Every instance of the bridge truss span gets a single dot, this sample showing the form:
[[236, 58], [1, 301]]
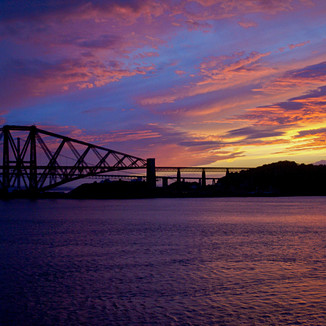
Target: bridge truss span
[[38, 160], [200, 169]]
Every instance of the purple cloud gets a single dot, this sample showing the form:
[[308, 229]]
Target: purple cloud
[[258, 132]]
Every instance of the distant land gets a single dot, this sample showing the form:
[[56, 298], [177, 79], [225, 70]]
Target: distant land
[[284, 178]]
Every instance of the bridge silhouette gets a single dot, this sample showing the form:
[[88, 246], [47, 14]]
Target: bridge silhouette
[[36, 160]]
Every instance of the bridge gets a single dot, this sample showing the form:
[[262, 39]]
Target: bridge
[[36, 160]]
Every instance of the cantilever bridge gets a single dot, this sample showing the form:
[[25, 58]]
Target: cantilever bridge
[[37, 160]]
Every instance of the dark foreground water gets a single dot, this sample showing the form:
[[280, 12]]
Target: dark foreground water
[[235, 261]]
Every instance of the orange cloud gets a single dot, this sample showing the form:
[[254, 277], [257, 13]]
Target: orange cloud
[[306, 109], [303, 79]]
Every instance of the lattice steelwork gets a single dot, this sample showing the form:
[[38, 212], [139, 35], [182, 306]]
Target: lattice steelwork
[[37, 160]]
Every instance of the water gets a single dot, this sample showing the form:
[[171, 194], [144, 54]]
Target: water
[[224, 261]]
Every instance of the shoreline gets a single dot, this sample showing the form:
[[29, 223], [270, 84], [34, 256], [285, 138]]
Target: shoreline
[[181, 196]]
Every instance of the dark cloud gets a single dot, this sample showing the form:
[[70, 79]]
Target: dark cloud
[[199, 143], [26, 10], [11, 10], [290, 105], [98, 110], [311, 72], [287, 106], [255, 132], [315, 94], [103, 42], [310, 132]]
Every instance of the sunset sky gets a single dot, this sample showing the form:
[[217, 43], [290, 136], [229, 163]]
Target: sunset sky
[[203, 82]]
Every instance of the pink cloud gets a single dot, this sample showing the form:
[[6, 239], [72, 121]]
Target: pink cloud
[[146, 55], [39, 78], [293, 46], [247, 24], [195, 25]]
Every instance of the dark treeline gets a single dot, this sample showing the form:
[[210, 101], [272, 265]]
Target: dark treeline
[[282, 178]]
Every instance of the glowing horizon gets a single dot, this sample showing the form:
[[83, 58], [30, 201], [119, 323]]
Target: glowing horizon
[[202, 82]]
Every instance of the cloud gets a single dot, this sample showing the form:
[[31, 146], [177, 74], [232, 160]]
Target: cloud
[[255, 132], [33, 78], [311, 132], [195, 25], [21, 10], [293, 46], [98, 110], [322, 162], [196, 13], [225, 68], [200, 143], [308, 140], [303, 78], [104, 41], [279, 120], [247, 24], [145, 55]]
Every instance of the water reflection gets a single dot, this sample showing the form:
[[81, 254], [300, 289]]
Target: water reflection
[[258, 261]]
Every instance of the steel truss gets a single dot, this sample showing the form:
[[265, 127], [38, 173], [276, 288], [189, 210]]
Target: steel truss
[[35, 160]]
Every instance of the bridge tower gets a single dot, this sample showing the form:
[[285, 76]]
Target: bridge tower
[[203, 178], [151, 173]]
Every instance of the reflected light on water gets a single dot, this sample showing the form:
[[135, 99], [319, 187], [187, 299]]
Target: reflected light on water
[[223, 261]]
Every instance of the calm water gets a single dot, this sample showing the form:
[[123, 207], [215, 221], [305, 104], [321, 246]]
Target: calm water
[[230, 261]]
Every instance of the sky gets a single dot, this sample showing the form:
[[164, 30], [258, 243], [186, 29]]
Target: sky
[[190, 83]]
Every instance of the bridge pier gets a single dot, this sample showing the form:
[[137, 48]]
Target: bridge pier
[[151, 173], [18, 164], [5, 169], [178, 176], [203, 178], [164, 182], [33, 165]]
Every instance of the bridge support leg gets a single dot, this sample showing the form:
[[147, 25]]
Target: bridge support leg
[[203, 178], [19, 169], [178, 176], [5, 171], [151, 173], [33, 169], [164, 182]]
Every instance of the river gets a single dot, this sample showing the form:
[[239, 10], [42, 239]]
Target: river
[[195, 261]]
